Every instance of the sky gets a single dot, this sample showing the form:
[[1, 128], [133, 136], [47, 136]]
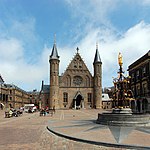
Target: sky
[[27, 29]]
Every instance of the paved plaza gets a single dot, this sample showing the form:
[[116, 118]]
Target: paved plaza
[[29, 132]]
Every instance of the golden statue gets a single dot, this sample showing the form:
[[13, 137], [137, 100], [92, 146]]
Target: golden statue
[[120, 61]]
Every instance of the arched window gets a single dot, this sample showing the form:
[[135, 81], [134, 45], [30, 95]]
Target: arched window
[[89, 97], [77, 80], [65, 97], [68, 81], [87, 81]]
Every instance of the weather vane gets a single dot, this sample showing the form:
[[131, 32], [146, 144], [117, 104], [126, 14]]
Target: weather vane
[[96, 45], [77, 49]]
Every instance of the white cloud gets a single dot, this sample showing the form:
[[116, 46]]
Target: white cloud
[[15, 55], [90, 14], [132, 44], [145, 2], [16, 69], [92, 9], [24, 29], [10, 49]]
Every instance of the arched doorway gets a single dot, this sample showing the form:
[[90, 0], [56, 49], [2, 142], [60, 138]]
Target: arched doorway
[[133, 105], [138, 106], [78, 102], [144, 105]]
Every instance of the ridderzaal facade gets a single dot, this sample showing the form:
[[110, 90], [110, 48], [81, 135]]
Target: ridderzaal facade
[[76, 88]]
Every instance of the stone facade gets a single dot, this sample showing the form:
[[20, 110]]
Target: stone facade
[[76, 88], [12, 96], [140, 82]]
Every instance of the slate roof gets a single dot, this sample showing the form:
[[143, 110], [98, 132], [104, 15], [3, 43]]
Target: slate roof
[[54, 54], [46, 88], [97, 57]]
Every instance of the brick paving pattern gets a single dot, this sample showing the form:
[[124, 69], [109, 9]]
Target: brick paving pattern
[[28, 132]]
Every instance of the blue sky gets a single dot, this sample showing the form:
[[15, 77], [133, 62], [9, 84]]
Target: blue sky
[[27, 29]]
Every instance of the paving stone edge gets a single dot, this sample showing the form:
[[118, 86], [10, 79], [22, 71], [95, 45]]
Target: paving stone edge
[[98, 143]]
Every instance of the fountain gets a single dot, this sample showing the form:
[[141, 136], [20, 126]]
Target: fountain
[[121, 120]]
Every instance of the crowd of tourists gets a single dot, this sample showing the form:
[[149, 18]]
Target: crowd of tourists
[[46, 111], [13, 112]]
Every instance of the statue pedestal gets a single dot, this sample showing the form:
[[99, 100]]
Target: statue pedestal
[[123, 117]]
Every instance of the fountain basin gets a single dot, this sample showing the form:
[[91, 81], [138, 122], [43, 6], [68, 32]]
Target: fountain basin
[[123, 119]]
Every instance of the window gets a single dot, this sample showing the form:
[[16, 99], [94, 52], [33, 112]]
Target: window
[[137, 75], [132, 77], [10, 91], [132, 89], [80, 66], [77, 80], [75, 66], [144, 71], [65, 95], [138, 90], [89, 97], [144, 88]]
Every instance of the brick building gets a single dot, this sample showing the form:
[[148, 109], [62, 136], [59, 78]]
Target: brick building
[[140, 82], [76, 88], [12, 96]]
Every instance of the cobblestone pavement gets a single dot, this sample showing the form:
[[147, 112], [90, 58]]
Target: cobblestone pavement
[[81, 124], [28, 132]]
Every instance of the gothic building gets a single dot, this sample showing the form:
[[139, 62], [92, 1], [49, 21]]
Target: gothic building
[[76, 88]]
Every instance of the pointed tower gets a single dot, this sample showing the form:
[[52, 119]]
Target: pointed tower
[[97, 80], [54, 78]]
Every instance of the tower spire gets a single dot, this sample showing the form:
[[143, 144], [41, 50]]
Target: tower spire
[[97, 79], [54, 54], [97, 55]]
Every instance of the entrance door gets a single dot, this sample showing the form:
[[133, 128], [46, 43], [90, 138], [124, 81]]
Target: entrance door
[[78, 101], [144, 105]]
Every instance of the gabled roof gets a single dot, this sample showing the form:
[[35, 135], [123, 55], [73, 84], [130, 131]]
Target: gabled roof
[[77, 64]]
